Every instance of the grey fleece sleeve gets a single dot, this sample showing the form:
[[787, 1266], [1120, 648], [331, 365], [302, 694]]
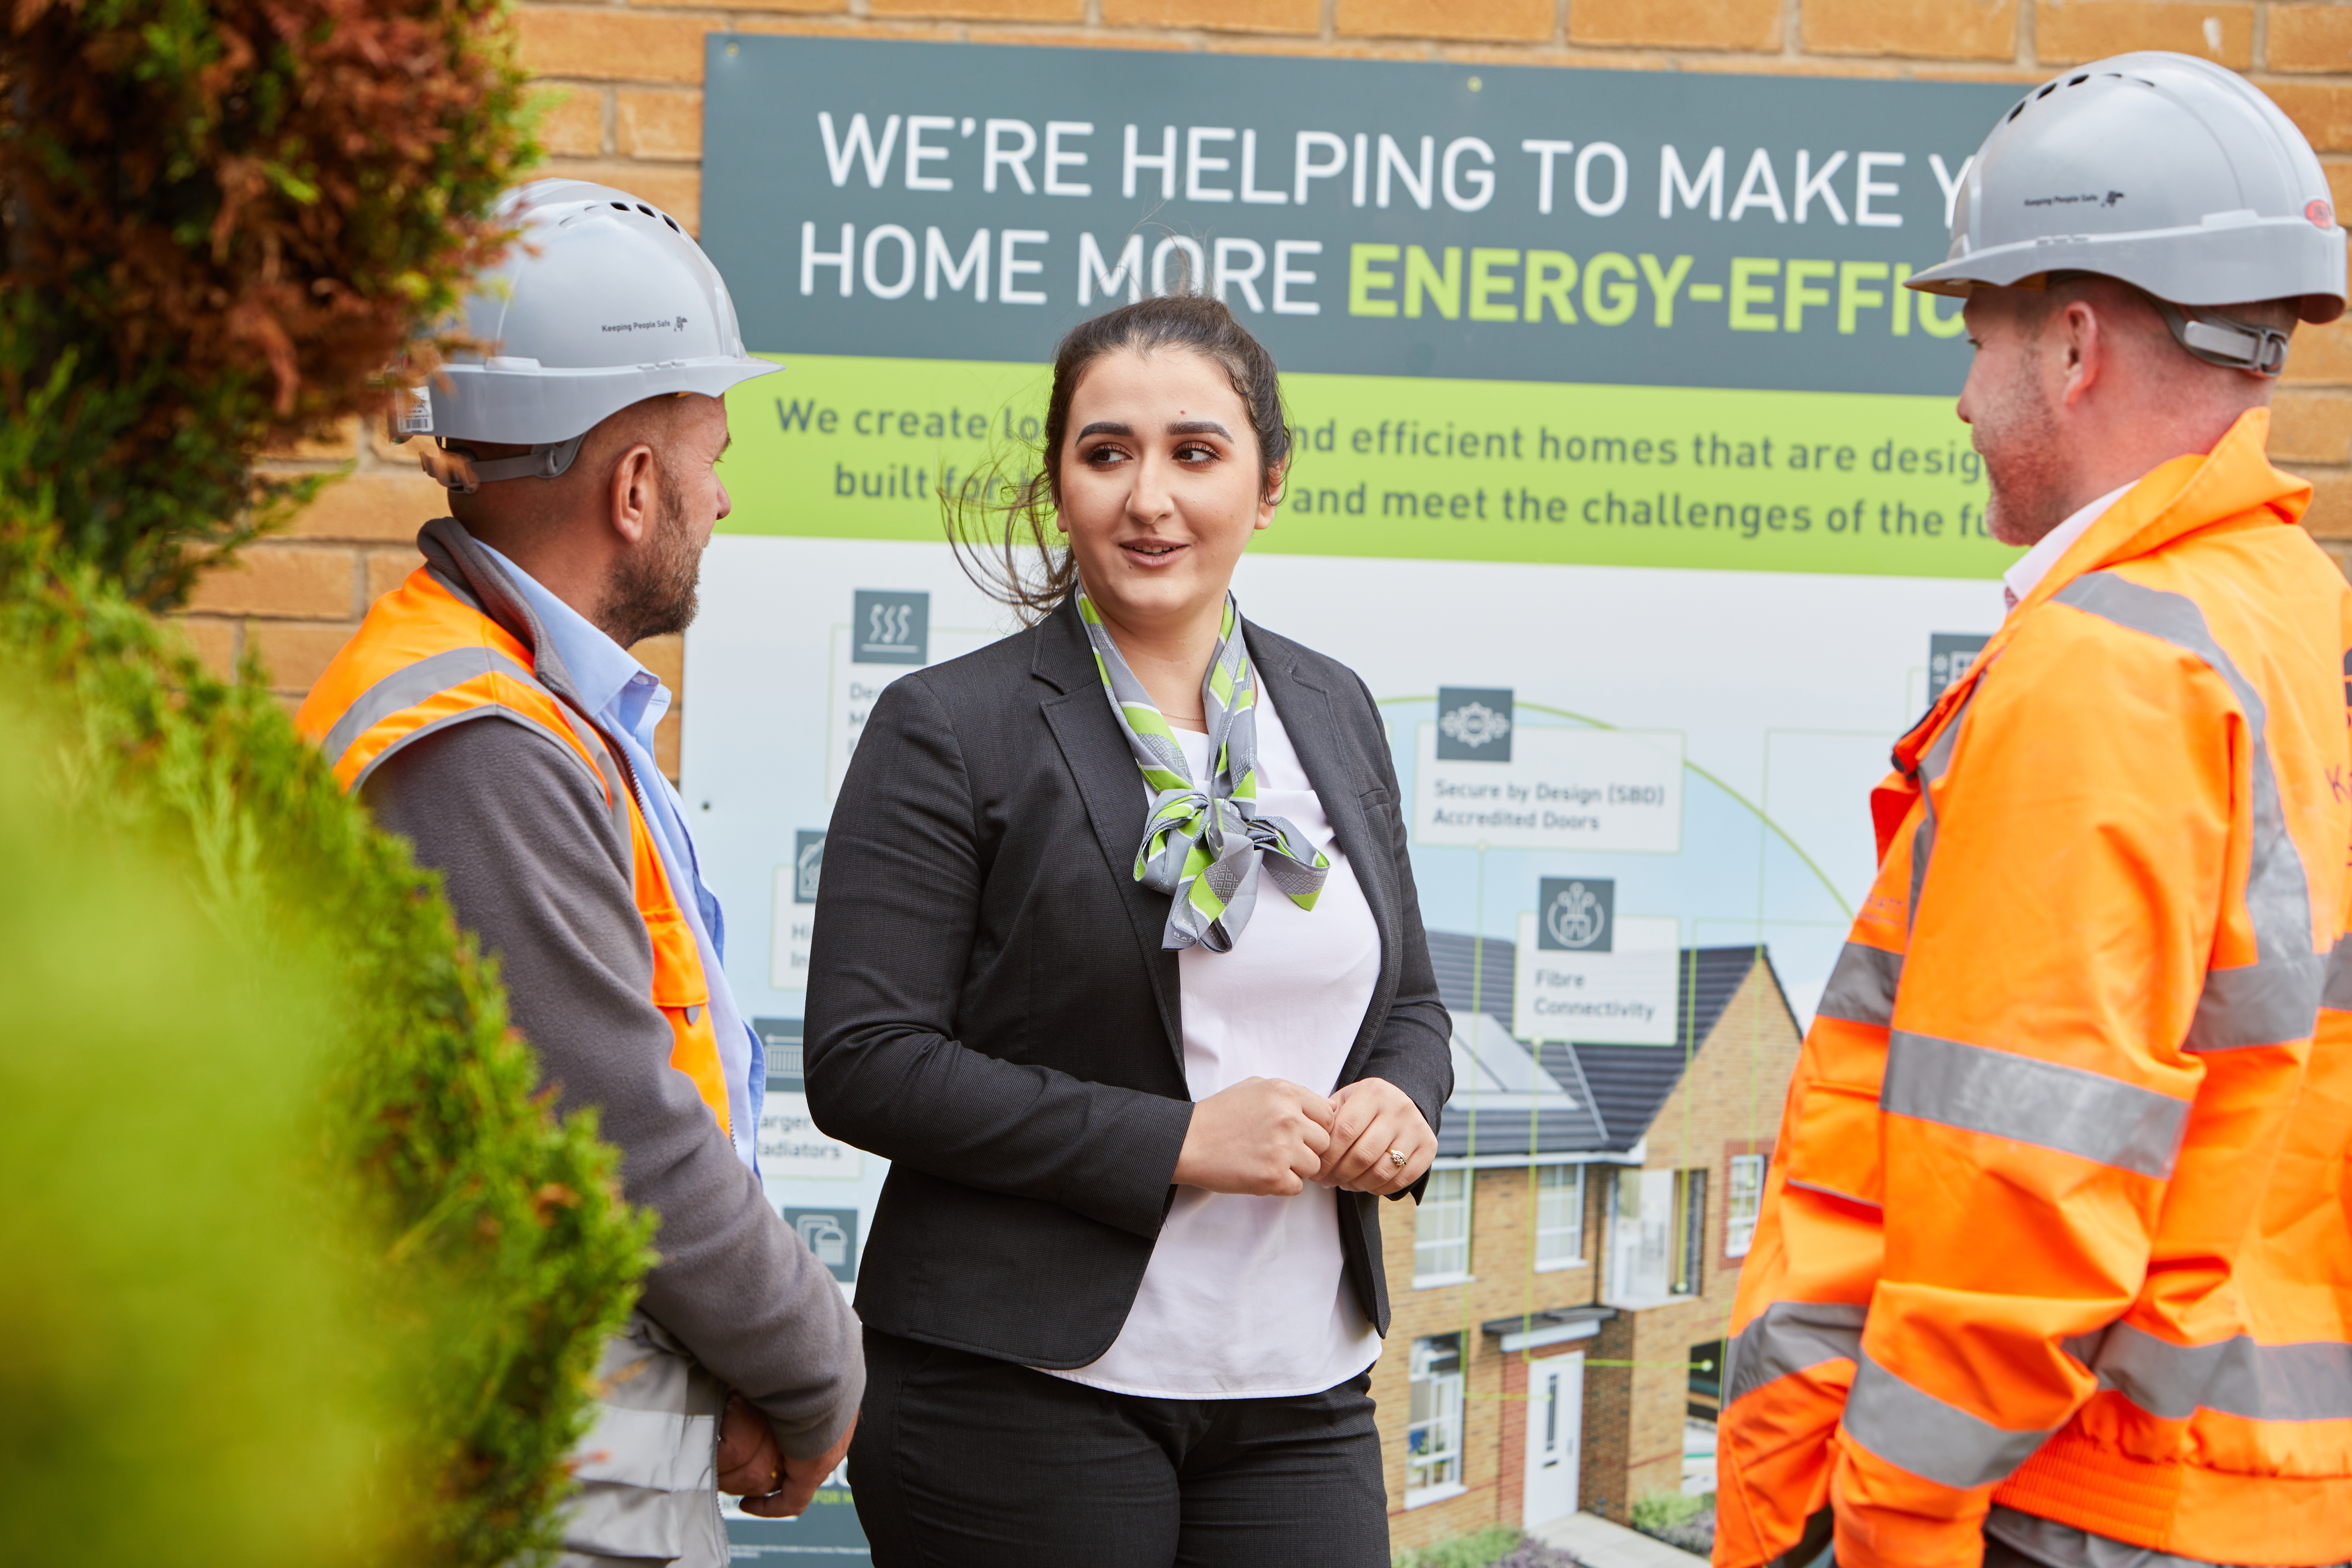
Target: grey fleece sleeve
[[535, 865]]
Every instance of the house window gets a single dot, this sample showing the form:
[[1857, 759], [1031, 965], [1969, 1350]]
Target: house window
[[1689, 1245], [1742, 1202], [1559, 1217], [1705, 1402], [1441, 1240], [1433, 1433]]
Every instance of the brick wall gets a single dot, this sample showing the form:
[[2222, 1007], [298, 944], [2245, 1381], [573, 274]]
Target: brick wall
[[631, 114]]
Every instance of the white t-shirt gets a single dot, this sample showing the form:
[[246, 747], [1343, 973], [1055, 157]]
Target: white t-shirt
[[1244, 1297]]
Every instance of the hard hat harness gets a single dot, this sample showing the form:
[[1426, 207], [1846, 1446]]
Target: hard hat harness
[[2220, 340], [455, 466]]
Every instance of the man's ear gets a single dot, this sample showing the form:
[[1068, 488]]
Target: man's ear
[[2084, 337], [635, 503]]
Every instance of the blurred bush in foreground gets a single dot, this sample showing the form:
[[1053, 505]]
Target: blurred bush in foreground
[[180, 1382], [253, 1044]]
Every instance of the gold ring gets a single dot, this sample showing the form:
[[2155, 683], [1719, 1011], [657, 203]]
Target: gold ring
[[1396, 1158]]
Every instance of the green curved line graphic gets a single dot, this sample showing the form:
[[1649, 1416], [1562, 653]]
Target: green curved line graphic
[[1781, 833]]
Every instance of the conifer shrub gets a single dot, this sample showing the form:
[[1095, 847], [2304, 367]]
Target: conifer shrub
[[181, 1342], [481, 1250]]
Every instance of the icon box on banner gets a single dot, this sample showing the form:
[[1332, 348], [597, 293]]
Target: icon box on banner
[[808, 863], [1951, 655], [1558, 789], [1473, 723], [793, 912], [1576, 914], [831, 1237], [791, 1146], [1626, 995], [890, 627]]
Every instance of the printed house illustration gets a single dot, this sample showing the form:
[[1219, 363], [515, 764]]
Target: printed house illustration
[[1559, 1311]]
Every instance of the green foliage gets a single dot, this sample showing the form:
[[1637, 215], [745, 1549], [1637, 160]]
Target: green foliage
[[1476, 1549], [181, 1339], [488, 1253], [223, 219], [1666, 1510]]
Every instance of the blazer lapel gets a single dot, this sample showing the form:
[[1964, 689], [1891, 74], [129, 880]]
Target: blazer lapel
[[1097, 753], [1307, 715]]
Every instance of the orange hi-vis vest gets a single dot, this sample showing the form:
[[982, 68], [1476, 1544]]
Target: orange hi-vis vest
[[2056, 1223], [424, 659]]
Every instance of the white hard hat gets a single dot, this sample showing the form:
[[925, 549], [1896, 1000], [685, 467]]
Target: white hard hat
[[2169, 173], [602, 302]]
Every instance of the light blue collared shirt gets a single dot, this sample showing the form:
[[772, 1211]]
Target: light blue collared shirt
[[624, 698]]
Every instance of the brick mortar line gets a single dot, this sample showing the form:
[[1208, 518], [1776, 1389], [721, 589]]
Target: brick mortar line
[[1207, 40]]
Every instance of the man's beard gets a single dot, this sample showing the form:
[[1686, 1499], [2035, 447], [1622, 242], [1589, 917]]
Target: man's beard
[[652, 592], [2023, 468]]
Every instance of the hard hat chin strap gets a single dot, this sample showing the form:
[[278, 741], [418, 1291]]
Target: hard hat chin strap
[[454, 465], [2217, 340]]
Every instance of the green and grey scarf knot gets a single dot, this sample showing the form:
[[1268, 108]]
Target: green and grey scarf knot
[[1204, 844]]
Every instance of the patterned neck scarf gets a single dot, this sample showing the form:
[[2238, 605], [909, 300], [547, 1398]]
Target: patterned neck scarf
[[1204, 844]]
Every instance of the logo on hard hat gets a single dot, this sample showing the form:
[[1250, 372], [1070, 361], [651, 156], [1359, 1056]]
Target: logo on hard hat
[[2321, 214]]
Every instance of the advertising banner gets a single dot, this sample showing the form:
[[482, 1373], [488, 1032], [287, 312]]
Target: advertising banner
[[1626, 472]]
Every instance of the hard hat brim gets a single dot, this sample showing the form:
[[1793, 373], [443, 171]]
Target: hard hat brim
[[2213, 264], [551, 404]]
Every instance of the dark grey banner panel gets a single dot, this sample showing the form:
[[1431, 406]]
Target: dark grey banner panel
[[1519, 223]]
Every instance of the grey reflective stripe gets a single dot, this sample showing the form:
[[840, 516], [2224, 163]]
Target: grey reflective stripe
[[2086, 1114], [2046, 1541], [410, 685], [1861, 987], [2308, 1381], [1790, 1336], [2337, 993], [1943, 1443], [646, 1472], [466, 716], [1932, 766], [2262, 1004], [2276, 998], [1833, 1193]]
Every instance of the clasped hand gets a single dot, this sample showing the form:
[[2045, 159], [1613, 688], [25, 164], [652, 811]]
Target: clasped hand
[[1267, 1137], [751, 1465]]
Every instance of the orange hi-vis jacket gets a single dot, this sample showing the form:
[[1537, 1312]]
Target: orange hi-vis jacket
[[2056, 1223], [426, 659]]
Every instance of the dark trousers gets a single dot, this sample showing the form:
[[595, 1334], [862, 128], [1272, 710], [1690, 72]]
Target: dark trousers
[[961, 1461]]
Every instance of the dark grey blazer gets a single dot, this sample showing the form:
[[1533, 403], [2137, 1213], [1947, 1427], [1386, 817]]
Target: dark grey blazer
[[989, 1005]]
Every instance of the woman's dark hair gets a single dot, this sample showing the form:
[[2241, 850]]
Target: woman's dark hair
[[996, 522]]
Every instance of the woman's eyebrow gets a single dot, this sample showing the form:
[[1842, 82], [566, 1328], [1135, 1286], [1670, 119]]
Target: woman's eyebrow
[[1107, 427], [1200, 427]]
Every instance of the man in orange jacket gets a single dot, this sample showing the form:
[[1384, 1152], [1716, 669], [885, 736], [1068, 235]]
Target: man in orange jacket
[[2054, 1265]]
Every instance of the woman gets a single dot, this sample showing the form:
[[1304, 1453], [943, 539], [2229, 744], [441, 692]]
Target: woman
[[1118, 960]]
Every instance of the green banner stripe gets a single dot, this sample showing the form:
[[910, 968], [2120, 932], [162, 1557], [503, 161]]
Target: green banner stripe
[[1417, 467]]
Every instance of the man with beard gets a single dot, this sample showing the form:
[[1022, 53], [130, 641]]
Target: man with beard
[[2053, 1265], [580, 443]]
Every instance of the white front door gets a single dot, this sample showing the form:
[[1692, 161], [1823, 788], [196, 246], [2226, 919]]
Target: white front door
[[1555, 1423]]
